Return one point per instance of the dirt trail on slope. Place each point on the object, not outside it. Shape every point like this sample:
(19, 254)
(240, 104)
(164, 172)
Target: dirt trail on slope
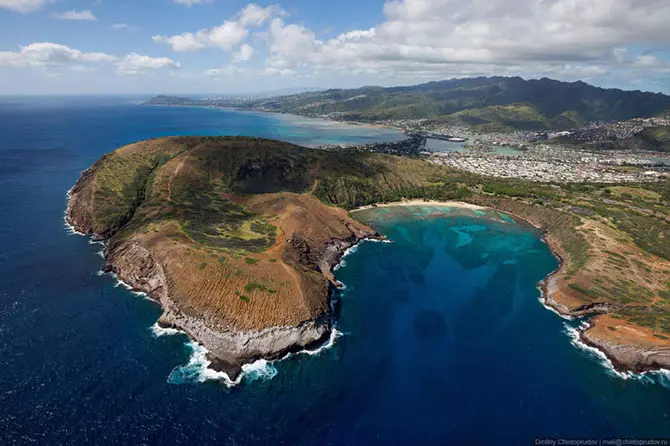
(179, 167)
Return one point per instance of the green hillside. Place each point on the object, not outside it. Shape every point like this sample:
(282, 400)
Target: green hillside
(496, 103)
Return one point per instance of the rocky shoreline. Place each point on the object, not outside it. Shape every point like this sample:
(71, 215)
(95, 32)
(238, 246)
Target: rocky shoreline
(625, 358)
(228, 349)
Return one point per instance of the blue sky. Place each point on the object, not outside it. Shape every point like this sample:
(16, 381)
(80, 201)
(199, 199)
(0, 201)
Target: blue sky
(228, 46)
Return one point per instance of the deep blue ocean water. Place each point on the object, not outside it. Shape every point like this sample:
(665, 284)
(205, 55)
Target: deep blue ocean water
(444, 339)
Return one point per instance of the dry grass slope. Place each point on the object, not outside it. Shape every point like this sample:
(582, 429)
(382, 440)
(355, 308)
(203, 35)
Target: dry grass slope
(240, 225)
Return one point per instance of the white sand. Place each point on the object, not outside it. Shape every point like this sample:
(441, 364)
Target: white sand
(452, 204)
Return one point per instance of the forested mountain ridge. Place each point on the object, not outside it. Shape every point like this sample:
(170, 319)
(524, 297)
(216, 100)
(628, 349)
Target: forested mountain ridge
(483, 103)
(494, 102)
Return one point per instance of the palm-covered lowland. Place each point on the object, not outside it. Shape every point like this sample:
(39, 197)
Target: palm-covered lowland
(240, 233)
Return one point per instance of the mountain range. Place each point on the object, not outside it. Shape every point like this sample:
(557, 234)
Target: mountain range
(482, 103)
(494, 103)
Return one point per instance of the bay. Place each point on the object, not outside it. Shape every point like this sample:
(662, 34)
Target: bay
(443, 337)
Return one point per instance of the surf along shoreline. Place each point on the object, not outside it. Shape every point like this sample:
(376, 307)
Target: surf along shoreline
(138, 279)
(624, 360)
(548, 290)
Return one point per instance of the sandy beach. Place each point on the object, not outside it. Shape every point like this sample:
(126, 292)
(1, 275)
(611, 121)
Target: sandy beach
(453, 204)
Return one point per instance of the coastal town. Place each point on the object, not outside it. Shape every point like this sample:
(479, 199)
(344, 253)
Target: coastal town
(531, 155)
(546, 167)
(503, 158)
(597, 152)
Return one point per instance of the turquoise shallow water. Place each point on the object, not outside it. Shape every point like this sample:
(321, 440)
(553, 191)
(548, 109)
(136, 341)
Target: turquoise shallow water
(444, 340)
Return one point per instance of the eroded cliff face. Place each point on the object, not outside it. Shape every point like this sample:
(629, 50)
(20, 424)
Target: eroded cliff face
(630, 348)
(242, 298)
(629, 357)
(79, 212)
(230, 348)
(227, 235)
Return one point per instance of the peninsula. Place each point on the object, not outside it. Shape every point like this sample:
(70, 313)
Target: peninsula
(236, 239)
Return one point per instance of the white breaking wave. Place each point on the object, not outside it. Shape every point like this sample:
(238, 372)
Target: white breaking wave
(197, 370)
(352, 249)
(261, 369)
(120, 283)
(334, 335)
(543, 301)
(574, 335)
(376, 240)
(159, 331)
(657, 376)
(69, 229)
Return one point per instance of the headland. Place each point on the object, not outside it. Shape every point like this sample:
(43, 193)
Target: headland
(236, 239)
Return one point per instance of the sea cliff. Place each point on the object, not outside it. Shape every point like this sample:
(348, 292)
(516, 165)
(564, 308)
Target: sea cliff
(261, 292)
(629, 347)
(237, 237)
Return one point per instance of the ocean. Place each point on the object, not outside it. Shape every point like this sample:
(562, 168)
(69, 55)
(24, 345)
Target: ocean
(442, 338)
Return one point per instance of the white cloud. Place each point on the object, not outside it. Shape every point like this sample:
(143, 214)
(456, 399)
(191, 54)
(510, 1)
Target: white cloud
(124, 27)
(651, 61)
(54, 58)
(254, 15)
(50, 55)
(228, 35)
(356, 35)
(23, 6)
(75, 15)
(245, 53)
(190, 3)
(440, 38)
(135, 63)
(232, 70)
(182, 42)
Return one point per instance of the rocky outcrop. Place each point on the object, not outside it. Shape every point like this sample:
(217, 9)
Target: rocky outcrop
(191, 254)
(633, 356)
(629, 357)
(301, 250)
(624, 357)
(80, 197)
(228, 349)
(134, 265)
